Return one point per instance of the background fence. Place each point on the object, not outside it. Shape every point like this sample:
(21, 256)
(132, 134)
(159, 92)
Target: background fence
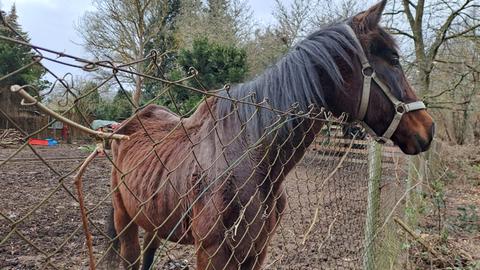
(350, 203)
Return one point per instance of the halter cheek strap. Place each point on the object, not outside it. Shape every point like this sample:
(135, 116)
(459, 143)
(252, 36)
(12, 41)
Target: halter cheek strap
(369, 74)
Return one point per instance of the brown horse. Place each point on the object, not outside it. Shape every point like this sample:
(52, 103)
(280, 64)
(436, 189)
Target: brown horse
(214, 180)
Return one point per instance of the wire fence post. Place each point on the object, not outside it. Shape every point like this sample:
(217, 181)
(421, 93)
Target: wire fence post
(413, 189)
(373, 202)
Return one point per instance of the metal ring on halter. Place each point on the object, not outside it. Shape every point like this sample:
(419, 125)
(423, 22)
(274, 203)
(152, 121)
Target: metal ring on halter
(400, 108)
(368, 71)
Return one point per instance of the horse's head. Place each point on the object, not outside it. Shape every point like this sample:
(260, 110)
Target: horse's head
(378, 93)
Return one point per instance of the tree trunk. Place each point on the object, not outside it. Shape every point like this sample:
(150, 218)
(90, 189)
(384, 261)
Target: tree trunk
(137, 94)
(424, 79)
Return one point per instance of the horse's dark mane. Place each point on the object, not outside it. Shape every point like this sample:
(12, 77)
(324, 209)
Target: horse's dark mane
(294, 79)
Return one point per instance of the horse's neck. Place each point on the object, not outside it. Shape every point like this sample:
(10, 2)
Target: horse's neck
(271, 163)
(292, 148)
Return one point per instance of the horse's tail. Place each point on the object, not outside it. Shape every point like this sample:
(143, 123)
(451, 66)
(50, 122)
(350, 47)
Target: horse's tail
(112, 259)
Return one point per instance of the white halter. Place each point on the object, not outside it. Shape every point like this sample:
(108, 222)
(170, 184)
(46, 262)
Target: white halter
(368, 75)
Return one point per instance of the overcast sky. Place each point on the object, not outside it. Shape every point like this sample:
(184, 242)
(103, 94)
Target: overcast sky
(50, 23)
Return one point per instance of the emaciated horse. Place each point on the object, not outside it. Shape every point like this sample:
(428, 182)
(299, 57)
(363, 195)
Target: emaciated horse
(214, 180)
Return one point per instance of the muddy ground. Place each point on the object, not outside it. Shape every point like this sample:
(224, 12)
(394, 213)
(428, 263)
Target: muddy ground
(40, 227)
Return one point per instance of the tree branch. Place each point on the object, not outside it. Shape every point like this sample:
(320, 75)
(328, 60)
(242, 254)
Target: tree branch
(408, 13)
(462, 33)
(440, 37)
(396, 31)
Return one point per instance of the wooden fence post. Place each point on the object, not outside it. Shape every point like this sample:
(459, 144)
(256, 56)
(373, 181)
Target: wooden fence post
(373, 203)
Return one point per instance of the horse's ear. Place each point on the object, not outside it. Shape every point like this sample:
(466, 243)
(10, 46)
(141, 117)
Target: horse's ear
(370, 18)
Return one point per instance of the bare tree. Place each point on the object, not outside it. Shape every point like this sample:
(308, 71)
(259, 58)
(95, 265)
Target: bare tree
(226, 22)
(293, 21)
(267, 46)
(430, 24)
(333, 11)
(301, 17)
(456, 81)
(121, 31)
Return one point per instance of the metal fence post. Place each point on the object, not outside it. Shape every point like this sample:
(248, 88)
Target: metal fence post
(413, 177)
(373, 203)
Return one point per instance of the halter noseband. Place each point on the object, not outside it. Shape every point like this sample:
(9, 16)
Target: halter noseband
(368, 75)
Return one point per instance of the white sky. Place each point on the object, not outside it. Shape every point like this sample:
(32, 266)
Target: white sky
(50, 23)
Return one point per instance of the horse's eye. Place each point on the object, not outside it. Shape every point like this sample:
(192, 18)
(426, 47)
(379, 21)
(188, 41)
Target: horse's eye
(395, 60)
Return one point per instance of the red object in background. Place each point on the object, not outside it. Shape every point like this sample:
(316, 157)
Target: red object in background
(65, 132)
(37, 142)
(115, 126)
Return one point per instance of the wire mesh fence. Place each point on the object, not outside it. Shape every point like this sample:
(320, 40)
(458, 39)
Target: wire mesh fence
(234, 183)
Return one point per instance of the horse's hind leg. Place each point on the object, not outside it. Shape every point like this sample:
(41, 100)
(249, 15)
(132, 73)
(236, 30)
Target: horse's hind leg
(128, 236)
(150, 245)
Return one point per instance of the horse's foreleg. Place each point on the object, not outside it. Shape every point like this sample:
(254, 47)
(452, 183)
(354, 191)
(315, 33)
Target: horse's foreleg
(150, 245)
(128, 236)
(270, 226)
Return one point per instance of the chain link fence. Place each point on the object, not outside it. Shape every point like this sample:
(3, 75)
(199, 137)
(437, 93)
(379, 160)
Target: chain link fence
(212, 190)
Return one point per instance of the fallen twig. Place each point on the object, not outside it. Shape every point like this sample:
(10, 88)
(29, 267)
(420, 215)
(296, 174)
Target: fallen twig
(418, 238)
(339, 165)
(81, 201)
(307, 233)
(329, 232)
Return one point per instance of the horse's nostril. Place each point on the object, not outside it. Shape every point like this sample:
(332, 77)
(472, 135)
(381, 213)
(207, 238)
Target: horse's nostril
(432, 129)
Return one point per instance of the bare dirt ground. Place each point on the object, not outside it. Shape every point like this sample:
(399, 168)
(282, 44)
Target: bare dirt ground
(323, 227)
(43, 202)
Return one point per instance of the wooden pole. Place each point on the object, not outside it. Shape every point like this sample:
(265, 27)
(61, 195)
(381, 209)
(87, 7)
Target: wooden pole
(373, 203)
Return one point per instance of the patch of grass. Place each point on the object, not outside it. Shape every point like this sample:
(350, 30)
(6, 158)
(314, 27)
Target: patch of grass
(467, 218)
(87, 148)
(476, 167)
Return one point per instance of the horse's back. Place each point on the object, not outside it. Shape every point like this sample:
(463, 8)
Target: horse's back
(149, 118)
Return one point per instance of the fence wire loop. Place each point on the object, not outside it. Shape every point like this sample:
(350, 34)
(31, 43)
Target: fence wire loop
(90, 67)
(192, 72)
